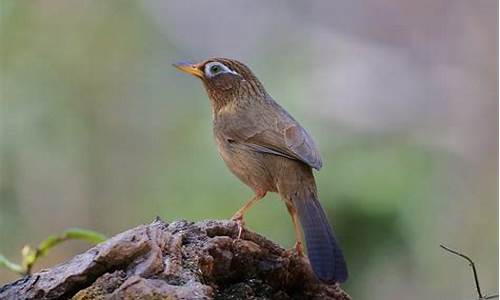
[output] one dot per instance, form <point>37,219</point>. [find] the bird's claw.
<point>239,220</point>
<point>299,248</point>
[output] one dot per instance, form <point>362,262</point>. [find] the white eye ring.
<point>211,69</point>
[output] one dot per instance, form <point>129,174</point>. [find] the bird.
<point>269,151</point>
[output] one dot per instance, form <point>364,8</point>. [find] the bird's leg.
<point>296,224</point>
<point>238,216</point>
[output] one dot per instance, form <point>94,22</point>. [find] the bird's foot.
<point>299,248</point>
<point>241,223</point>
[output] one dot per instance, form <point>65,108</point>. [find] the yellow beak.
<point>189,68</point>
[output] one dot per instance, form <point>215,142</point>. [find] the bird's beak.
<point>189,68</point>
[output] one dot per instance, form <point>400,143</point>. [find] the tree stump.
<point>180,260</point>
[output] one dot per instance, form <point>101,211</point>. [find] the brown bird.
<point>267,149</point>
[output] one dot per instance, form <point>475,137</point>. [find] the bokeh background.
<point>99,131</point>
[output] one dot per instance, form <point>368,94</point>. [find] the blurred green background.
<point>99,131</point>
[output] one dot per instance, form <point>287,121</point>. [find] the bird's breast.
<point>249,166</point>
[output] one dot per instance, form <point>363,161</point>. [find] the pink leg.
<point>296,224</point>
<point>239,215</point>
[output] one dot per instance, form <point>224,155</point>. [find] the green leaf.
<point>30,255</point>
<point>10,265</point>
<point>84,234</point>
<point>48,243</point>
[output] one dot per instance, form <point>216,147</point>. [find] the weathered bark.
<point>180,260</point>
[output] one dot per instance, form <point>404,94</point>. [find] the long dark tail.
<point>323,250</point>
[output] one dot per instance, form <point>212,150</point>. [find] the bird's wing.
<point>274,131</point>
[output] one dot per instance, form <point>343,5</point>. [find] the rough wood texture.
<point>180,260</point>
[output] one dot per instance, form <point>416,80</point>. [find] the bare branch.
<point>471,263</point>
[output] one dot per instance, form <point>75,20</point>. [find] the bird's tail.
<point>323,250</point>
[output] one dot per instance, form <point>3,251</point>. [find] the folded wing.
<point>276,132</point>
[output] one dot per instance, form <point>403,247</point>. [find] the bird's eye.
<point>215,69</point>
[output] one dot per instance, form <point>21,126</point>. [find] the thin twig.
<point>471,263</point>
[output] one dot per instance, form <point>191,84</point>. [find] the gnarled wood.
<point>180,260</point>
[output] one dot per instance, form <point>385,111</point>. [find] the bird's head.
<point>225,80</point>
